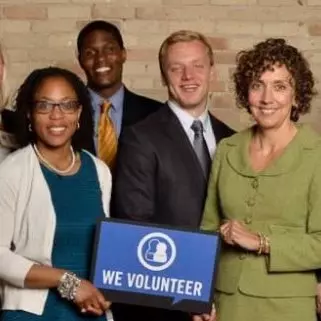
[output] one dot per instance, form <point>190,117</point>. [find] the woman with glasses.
<point>52,191</point>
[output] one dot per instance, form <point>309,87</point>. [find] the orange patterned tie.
<point>107,137</point>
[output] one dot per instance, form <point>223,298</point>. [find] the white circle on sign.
<point>157,236</point>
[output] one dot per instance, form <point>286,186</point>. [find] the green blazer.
<point>283,201</point>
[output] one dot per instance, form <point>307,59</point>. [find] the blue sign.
<point>148,264</point>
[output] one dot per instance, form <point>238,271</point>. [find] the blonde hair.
<point>4,91</point>
<point>182,36</point>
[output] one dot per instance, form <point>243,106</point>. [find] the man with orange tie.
<point>101,54</point>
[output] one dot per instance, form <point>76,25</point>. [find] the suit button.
<point>250,202</point>
<point>255,183</point>
<point>242,257</point>
<point>248,220</point>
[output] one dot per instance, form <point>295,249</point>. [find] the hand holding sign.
<point>90,300</point>
<point>206,317</point>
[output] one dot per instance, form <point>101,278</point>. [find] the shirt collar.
<point>187,119</point>
<point>116,99</point>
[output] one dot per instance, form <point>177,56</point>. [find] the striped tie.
<point>107,137</point>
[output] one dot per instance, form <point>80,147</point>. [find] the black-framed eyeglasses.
<point>46,106</point>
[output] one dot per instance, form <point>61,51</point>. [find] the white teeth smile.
<point>189,87</point>
<point>103,69</point>
<point>267,111</point>
<point>57,129</point>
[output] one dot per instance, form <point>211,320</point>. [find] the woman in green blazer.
<point>264,194</point>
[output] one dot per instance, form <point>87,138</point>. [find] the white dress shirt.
<point>187,120</point>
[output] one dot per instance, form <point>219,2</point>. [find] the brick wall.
<point>38,33</point>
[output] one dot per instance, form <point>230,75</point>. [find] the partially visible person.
<point>52,191</point>
<point>163,163</point>
<point>264,194</point>
<point>102,54</point>
<point>6,116</point>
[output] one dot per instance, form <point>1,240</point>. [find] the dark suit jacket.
<point>137,107</point>
<point>159,179</point>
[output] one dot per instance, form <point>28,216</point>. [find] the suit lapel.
<point>174,131</point>
<point>127,111</point>
<point>218,129</point>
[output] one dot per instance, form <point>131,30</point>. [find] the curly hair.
<point>251,64</point>
<point>24,104</point>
